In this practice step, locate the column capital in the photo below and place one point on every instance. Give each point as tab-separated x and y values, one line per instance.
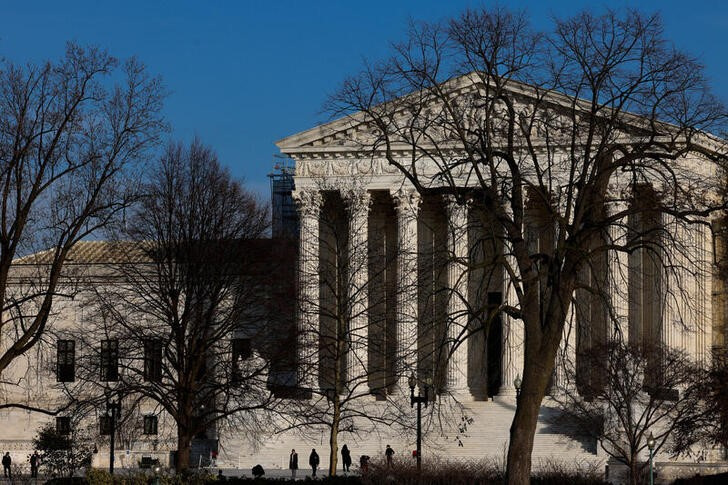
357	200
308	202
455	208
406	200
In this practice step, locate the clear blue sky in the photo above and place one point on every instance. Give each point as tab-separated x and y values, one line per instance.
243	74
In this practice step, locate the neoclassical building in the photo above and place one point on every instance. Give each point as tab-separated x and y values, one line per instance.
410	262
413	280
393	284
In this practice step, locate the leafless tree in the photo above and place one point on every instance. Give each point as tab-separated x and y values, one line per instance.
354	319
558	136
186	304
354	346
624	406
69	138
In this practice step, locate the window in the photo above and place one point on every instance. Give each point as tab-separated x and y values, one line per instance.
63	425
153	360
241	350
110	360
66	361
150	425
105	425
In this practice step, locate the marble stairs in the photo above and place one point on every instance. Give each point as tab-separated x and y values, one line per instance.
485	438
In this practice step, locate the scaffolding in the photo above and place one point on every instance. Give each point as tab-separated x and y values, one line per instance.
284	217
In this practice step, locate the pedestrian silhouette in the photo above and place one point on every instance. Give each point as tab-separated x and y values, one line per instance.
346	457
293	463
389	452
34	462
7	461
313	460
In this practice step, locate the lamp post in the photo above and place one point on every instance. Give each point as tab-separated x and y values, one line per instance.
517	384
113	410
419	399
651	446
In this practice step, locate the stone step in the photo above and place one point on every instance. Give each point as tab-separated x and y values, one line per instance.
486	436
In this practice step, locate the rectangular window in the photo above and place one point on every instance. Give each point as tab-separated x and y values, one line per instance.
153	360
63	425
110	360
242	349
150	425
66	361
105	425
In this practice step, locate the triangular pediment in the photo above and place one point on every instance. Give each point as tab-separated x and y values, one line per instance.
354	132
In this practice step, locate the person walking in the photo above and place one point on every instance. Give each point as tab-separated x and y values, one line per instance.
313	460
346	457
293	463
389	452
7	461
34	462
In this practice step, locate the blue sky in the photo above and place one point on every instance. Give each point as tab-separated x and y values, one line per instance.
244	74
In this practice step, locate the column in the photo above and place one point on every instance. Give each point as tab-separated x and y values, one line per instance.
457	309
618	274
512	347
704	344
674	284
566	357
308	203
357	204
406	204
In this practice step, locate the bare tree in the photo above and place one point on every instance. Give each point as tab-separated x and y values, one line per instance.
185	309
361	359
557	136
353	320
624	406
68	139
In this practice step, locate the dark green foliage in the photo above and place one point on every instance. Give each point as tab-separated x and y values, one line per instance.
62	454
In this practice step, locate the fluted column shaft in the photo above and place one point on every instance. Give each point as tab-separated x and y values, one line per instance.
358	203
566	358
512	346
704	336
308	203
406	204
618	275
457	310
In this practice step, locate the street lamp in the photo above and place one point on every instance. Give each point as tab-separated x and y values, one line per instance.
419	399
113	411
517	384
651	446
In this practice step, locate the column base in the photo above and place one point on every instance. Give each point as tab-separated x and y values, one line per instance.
507	394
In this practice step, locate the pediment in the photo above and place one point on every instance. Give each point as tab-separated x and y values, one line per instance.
355	133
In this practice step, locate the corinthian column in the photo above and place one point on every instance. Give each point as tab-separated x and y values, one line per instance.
566	357
512	345
704	330
457	281
308	203
618	275
357	203
406	203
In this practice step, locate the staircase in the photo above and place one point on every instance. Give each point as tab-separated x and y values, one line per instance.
485	437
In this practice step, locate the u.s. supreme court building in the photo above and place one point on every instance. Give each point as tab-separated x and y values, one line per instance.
395	283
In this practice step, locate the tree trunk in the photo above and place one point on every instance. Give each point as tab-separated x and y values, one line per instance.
537	373
183	450
333	438
633	470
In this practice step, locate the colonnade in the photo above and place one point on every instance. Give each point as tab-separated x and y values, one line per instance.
407	209
406	204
